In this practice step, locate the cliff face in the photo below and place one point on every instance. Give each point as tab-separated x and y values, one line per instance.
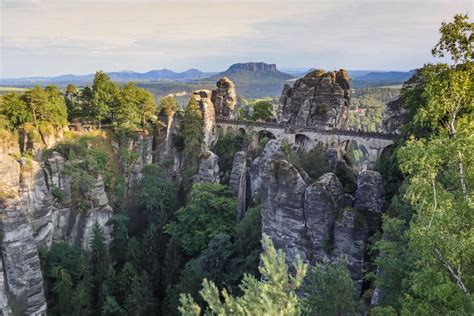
37	210
320	99
316	219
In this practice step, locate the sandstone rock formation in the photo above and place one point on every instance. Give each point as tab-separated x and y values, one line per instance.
32	217
283	217
238	181
319	99
23	280
203	97
225	98
208	168
317	219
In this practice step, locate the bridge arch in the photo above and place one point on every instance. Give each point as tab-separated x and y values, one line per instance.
265	134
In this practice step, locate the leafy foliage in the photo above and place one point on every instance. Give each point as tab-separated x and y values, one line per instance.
275	295
330	289
71	279
314	162
226	147
438	163
193	136
210	211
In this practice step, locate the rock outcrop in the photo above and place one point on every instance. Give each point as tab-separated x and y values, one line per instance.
203	97
36	211
369	198
23	280
238	181
319	99
283	219
208	168
225	98
317	219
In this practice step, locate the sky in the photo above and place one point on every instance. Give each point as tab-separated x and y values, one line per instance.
53	37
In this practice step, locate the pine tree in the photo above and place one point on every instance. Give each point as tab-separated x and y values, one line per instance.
99	261
192	132
275	295
330	289
104	94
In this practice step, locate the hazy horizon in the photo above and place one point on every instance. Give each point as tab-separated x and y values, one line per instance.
42	38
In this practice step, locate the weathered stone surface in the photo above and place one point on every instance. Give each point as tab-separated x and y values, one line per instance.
320	99
369	198
283	219
21	266
315	220
238	181
32	218
224	98
36	142
370	192
324	200
208	168
273	150
351	234
209	117
82	231
4	308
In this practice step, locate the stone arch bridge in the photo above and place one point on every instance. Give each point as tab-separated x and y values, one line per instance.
371	144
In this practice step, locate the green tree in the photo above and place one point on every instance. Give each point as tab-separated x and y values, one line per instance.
135	291
168	105
226	147
67	269
158	195
14	109
262	111
394	261
330	289
439	169
104	95
134	108
210	211
193	135
100	262
456	40
275	295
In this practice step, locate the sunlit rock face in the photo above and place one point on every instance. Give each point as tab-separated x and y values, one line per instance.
319	99
225	98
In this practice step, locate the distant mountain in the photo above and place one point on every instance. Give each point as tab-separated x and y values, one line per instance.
253	79
381	78
120	76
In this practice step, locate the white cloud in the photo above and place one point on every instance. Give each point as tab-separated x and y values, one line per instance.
46	37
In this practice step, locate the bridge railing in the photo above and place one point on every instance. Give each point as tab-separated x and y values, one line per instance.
300	128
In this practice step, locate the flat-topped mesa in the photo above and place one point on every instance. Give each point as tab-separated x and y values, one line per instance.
253	67
319	99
